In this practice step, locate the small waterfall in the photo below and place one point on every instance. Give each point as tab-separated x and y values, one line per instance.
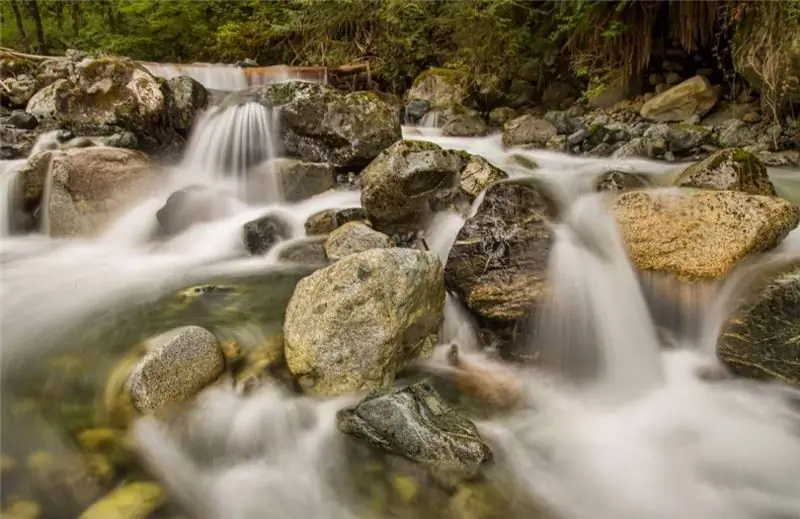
596	325
9	171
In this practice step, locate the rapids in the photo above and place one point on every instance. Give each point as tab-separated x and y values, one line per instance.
641	437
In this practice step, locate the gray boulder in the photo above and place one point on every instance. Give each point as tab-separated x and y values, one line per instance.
186	99
465	126
694	96
528	132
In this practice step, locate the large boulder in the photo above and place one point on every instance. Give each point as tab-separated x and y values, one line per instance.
99	181
192	205
105	95
319	123
761	339
694	96
731	169
700	235
441	87
406	182
415	423
186	98
528	131
351	326
498	262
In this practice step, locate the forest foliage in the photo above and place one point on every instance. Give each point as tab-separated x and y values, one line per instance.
603	42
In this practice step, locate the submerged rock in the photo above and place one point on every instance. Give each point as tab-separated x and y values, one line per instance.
352	238
620	181
327	220
179	364
528	132
694	96
732	169
261	234
498	262
192	205
340	338
406	182
136	500
761	339
417	424
700	235
478	175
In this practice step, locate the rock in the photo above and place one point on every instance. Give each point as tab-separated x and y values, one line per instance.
22	510
415	423
319	123
760	339
22	120
401	187
192	205
327	220
521	93
620	181
309	251
465	126
18	91
340	335
527	132
500	116
441	87
559	95
52	70
63	216
700	235
694	96
673	78
498	263
295	180
122	140
751	117
563	122
99	180
607	98
14	64
136	500
731	169
416	109
16	143
187	98
522	161
478	175
179	364
261	234
352	238
107	93
683	138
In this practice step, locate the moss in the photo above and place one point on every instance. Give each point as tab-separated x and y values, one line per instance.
131	501
406	488
448	74
22	510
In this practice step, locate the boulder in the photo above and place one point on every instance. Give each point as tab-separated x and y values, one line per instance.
351	326
261	234
16	143
178	365
192	205
465	126
295	180
478	175
18	91
501	115
441	87
416	109
50	71
729	170
700	235
498	262
694	96
760	339
620	181
185	100
22	120
527	132
415	423
352	238
401	187
327	220
319	123
100	181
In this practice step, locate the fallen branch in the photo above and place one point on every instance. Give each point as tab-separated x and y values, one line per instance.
31	57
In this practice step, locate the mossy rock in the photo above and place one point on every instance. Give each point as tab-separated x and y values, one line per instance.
729	170
131	501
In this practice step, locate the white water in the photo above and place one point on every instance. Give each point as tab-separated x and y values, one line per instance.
644	439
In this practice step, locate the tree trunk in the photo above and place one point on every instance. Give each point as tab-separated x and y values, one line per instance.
21	26
77	17
37	19
59	10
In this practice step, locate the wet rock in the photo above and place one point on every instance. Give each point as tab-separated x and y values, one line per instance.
179	364
136	500
18	91
63	216
522	161
683	138
186	99
309	251
352	238
192	205
558	143
319	123
478	175
694	96
16	143
760	339
122	140
465	126
22	120
527	132
340	337
416	109
620	181
417	424
296	180
441	87
261	234
498	262
700	235
500	116
401	187
731	169
327	220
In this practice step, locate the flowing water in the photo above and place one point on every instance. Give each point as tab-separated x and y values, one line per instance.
618	428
